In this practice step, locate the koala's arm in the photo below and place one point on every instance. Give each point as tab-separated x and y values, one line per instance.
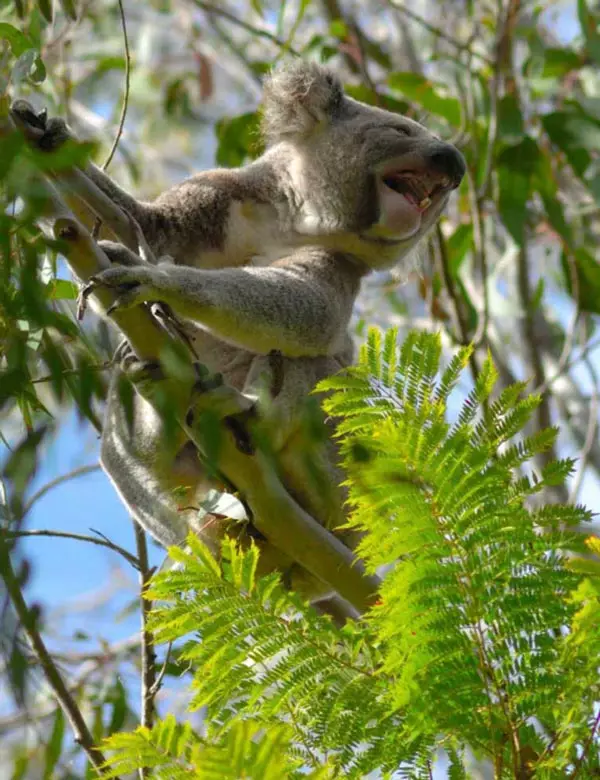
299	306
186	220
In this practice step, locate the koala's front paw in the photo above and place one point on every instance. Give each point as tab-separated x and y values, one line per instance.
46	134
132	285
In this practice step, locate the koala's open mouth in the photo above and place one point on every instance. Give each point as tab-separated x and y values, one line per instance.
420	189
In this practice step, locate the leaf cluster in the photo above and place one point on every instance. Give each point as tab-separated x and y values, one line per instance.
484	640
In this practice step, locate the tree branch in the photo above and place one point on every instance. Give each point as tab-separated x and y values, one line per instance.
78	472
78	537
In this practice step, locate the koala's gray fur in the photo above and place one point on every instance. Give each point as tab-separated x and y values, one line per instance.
270	257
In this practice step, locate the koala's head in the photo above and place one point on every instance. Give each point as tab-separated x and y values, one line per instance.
375	179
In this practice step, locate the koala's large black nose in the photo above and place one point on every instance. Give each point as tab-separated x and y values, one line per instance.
447	160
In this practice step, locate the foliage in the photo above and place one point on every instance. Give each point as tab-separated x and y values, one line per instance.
514	268
466	647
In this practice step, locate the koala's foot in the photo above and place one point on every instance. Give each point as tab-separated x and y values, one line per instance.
46	134
132	285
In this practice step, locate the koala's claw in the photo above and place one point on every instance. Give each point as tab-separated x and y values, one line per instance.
132	286
32	122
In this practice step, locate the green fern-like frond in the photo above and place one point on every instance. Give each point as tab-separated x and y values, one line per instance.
260	653
472	614
485	638
175	752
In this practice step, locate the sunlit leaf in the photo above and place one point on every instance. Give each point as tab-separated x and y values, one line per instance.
574	134
588	278
54	744
427	94
516	165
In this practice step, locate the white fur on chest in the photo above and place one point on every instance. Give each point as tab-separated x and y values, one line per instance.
254	235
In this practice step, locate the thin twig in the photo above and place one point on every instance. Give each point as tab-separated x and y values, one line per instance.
71	372
163	670
126	91
479	194
462	329
260	32
484	184
148	653
437	31
586	747
78	537
480	260
534	353
571	329
590	436
78	472
113	149
590	347
64	697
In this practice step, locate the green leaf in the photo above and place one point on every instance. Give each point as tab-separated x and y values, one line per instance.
573	133
29	66
69	8
118	699
510	119
589	27
516	165
62	289
546	185
457	247
588	277
558	62
45	7
238	138
426	93
54	745
17	40
338	29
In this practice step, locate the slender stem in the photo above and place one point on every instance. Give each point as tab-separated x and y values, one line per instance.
260	32
437	31
590	347
78	537
64	697
534	352
590	436
586	747
148	653
82	471
125	92
460	323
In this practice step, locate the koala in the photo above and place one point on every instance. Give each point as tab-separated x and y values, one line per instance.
265	260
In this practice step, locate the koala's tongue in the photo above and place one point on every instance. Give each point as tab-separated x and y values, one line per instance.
400	212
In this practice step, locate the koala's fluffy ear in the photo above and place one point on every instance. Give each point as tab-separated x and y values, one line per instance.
299	96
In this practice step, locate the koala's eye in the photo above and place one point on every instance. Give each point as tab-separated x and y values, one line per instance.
405	131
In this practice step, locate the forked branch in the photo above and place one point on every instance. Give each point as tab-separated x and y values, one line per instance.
275	513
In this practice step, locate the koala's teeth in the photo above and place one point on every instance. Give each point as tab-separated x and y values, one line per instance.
425	203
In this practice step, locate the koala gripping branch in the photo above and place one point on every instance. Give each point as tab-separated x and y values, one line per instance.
275	513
